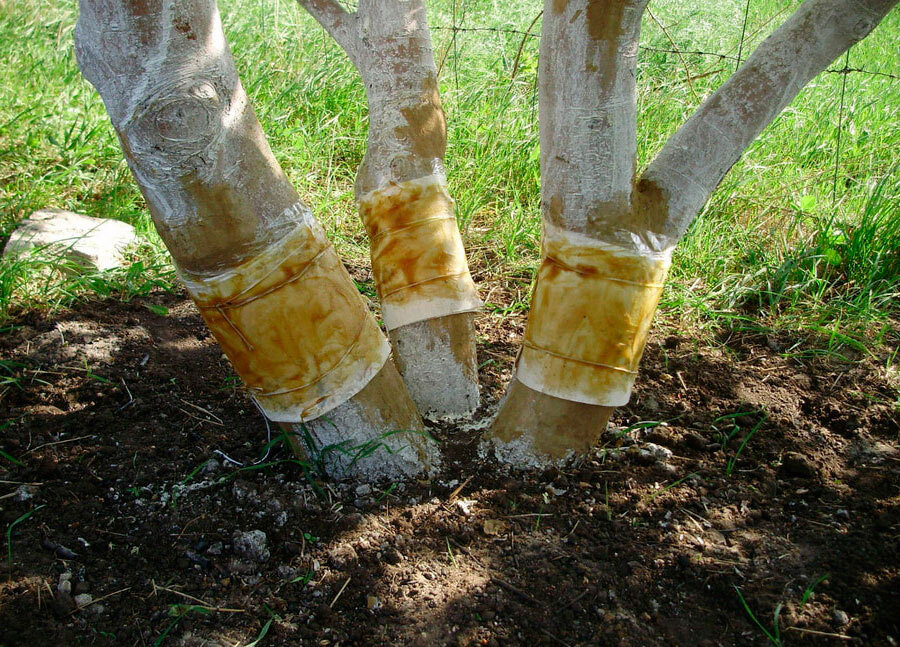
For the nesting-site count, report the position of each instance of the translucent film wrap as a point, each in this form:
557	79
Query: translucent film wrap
293	325
590	314
418	258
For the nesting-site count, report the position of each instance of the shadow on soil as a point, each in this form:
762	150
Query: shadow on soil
767	472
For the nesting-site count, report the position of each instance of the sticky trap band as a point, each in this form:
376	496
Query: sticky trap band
418	258
294	326
591	310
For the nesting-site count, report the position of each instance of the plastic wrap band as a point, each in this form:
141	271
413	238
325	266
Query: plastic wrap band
591	310
294	326
418	258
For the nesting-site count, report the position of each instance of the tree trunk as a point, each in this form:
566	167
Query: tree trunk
608	239
258	266
418	260
571	370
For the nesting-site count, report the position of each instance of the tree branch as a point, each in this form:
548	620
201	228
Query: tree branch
696	158
337	22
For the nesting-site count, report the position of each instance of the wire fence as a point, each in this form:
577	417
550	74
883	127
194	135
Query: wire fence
460	25
661	50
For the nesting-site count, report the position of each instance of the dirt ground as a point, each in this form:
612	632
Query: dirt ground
776	477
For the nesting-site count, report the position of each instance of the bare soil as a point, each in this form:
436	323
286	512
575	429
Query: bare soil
116	414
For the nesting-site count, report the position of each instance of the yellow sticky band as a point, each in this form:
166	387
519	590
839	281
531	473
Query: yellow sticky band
294	326
591	312
418	259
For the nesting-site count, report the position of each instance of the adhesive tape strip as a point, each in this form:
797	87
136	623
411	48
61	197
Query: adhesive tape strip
418	258
591	311
294	326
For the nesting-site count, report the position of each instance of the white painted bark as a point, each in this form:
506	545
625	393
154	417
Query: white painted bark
587	106
222	204
389	43
587	112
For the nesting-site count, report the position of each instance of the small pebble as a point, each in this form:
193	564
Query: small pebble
251	545
211	467
25	492
841	618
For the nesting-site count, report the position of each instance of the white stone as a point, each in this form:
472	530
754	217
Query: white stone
654	451
83	599
25	492
91	243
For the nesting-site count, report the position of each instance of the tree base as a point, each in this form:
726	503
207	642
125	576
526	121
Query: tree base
537	430
377	434
437	360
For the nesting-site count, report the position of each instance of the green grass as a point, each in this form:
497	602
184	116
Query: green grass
9	530
773	636
177	612
732	462
781	245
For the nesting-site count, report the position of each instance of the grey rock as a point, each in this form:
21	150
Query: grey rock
658	452
841	618
90	243
651	453
25	492
251	545
83	599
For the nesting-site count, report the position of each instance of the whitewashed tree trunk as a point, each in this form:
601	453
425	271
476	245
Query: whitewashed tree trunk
266	280
419	264
609	235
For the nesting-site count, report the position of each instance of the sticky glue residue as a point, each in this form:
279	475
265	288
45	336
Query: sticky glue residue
294	326
418	259
591	311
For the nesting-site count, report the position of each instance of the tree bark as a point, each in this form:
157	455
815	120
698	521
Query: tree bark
608	237
421	275
259	267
